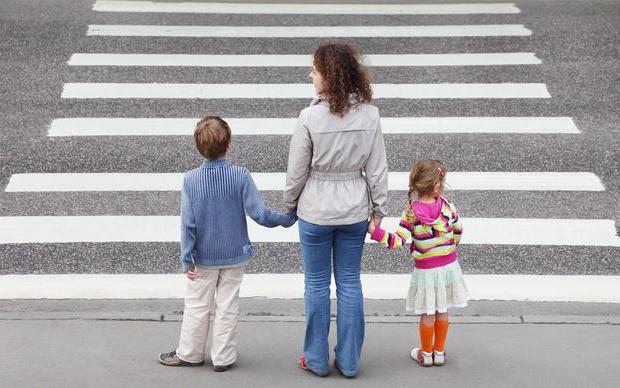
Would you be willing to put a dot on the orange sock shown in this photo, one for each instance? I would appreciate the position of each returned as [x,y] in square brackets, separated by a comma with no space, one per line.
[441,332]
[426,337]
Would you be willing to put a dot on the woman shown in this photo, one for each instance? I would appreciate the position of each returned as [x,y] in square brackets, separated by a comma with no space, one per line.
[336,178]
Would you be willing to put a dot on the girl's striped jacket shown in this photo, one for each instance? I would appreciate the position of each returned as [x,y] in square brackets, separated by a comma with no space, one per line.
[434,243]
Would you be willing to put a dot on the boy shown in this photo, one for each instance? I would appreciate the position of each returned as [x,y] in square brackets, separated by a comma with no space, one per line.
[215,247]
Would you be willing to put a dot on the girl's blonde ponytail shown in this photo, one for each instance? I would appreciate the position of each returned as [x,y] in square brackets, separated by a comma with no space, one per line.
[425,177]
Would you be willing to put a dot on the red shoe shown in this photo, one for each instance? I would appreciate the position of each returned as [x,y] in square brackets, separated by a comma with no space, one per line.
[302,365]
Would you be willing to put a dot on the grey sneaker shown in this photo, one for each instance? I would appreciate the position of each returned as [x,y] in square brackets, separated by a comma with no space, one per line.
[171,359]
[222,368]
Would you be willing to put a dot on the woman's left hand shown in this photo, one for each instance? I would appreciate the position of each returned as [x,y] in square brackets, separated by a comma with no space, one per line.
[371,225]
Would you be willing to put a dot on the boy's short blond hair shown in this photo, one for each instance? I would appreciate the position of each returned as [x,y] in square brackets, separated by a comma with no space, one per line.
[212,136]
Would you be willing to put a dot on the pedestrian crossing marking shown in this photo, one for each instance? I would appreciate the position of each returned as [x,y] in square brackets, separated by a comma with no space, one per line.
[540,288]
[308,31]
[301,91]
[377,60]
[122,126]
[474,180]
[498,231]
[495,231]
[304,9]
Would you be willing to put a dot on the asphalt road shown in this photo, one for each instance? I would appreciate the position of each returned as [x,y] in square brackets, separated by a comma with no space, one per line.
[577,41]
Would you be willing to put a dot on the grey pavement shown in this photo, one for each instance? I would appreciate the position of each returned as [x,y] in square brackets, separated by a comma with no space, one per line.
[102,343]
[100,353]
[293,309]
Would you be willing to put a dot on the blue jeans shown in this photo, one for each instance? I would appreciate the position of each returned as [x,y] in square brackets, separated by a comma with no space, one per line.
[342,246]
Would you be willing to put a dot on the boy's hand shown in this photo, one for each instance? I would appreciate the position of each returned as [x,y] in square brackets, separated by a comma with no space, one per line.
[292,222]
[191,274]
[293,215]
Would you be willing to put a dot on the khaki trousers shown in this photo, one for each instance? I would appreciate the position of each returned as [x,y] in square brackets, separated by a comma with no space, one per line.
[215,292]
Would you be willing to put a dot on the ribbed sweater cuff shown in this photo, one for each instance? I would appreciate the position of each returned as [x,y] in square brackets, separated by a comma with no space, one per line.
[378,234]
[187,266]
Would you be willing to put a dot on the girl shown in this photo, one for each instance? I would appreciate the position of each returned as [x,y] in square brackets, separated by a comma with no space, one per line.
[437,281]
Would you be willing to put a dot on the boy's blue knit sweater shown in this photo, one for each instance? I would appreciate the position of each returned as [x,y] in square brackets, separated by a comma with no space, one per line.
[215,199]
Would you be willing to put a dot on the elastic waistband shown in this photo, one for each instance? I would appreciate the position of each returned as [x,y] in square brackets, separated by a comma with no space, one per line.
[335,176]
[437,261]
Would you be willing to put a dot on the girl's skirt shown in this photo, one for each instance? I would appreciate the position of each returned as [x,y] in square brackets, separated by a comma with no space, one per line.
[437,289]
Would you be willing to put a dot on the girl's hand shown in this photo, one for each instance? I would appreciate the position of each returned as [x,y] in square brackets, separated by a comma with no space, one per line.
[191,275]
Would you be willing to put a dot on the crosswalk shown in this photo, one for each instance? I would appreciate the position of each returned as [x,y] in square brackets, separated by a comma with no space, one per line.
[491,231]
[397,181]
[384,60]
[149,126]
[287,91]
[300,8]
[562,235]
[376,286]
[308,31]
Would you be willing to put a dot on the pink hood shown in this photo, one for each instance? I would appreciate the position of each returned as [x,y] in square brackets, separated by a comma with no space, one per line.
[428,213]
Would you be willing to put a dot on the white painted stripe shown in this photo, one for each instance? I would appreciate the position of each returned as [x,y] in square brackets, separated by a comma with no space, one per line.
[302,9]
[497,231]
[308,31]
[196,60]
[278,91]
[116,126]
[530,181]
[539,288]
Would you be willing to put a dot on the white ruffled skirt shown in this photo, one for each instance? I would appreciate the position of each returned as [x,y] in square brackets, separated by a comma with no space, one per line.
[436,289]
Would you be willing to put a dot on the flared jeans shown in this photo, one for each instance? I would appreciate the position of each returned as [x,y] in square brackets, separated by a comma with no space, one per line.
[339,247]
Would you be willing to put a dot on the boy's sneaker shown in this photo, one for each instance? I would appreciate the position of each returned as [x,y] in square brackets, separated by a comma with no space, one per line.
[439,358]
[422,358]
[171,359]
[222,368]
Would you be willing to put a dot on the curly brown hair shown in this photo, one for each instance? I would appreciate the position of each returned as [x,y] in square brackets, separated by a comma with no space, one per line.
[344,76]
[427,178]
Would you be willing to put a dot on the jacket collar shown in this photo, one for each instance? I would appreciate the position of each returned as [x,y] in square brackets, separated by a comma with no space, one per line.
[214,163]
[320,98]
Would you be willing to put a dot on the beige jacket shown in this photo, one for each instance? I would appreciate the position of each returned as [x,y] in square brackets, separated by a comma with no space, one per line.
[337,169]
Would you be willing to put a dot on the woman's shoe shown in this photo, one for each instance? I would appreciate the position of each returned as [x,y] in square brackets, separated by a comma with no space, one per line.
[302,365]
[422,358]
[340,371]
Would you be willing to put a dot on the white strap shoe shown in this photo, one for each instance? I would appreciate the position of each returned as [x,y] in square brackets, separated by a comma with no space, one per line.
[422,358]
[439,358]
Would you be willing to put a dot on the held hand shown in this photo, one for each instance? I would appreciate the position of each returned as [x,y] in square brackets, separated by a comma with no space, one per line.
[293,219]
[371,225]
[191,275]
